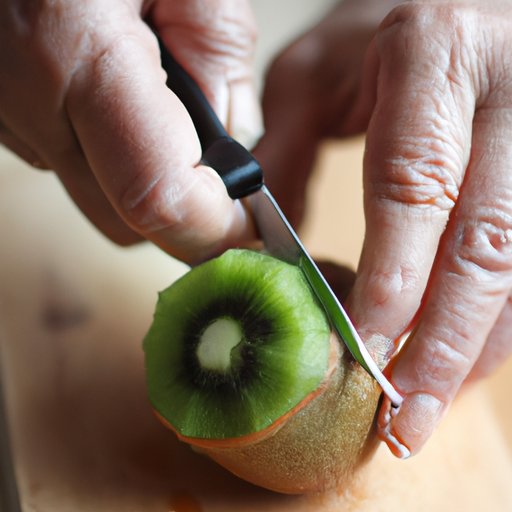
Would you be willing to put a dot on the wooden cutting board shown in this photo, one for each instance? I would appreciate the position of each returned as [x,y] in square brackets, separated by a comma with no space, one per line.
[73,311]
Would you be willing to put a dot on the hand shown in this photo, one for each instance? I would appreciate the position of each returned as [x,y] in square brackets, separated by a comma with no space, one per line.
[437,89]
[82,92]
[310,94]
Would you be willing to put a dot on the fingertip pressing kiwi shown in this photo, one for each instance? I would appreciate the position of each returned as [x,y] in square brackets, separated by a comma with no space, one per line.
[240,361]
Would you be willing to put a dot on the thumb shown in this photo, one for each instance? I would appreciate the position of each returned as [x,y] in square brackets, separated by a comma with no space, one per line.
[214,41]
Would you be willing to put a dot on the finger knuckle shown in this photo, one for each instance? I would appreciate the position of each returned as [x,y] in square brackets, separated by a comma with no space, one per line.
[419,178]
[485,244]
[108,51]
[422,18]
[410,22]
[150,204]
[449,356]
[388,287]
[417,15]
[229,31]
[444,35]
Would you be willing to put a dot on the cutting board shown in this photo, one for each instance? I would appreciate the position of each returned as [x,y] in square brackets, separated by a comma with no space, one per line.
[73,311]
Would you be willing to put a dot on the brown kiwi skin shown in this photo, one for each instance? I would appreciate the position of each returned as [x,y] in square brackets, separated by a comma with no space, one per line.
[319,447]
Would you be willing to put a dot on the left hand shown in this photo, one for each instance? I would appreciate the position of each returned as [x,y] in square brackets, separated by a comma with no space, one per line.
[435,94]
[310,94]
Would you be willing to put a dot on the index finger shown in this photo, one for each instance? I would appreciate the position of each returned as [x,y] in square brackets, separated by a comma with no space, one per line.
[416,154]
[143,149]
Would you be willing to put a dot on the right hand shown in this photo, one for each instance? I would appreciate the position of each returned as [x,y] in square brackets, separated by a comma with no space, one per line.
[82,92]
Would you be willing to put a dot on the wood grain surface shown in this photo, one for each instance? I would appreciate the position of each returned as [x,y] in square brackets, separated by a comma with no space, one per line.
[73,311]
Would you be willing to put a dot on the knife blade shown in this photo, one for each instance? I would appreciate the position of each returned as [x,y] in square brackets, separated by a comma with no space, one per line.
[243,177]
[281,241]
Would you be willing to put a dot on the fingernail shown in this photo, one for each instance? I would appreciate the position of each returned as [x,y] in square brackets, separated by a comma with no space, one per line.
[245,122]
[386,433]
[407,430]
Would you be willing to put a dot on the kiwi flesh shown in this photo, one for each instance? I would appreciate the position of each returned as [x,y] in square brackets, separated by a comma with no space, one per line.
[321,446]
[241,363]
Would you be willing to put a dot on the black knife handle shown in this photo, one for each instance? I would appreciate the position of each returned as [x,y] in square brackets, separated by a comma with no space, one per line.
[239,170]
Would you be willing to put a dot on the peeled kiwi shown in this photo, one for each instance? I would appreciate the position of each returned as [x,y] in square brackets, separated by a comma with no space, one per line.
[241,363]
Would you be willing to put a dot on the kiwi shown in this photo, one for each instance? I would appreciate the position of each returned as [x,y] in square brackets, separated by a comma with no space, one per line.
[241,363]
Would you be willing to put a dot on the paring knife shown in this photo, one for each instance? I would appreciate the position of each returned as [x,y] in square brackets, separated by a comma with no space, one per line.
[243,177]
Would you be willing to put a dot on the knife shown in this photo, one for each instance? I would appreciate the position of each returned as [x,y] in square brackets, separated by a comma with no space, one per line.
[243,177]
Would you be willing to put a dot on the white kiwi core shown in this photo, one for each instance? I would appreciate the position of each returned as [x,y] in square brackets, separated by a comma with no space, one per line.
[217,344]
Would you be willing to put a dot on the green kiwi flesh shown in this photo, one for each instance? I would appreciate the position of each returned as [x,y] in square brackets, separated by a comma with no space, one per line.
[235,344]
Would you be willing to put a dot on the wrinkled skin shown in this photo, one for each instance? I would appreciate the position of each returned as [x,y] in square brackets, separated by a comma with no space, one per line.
[82,92]
[434,92]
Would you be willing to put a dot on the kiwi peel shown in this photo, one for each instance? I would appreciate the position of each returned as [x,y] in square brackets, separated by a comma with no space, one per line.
[241,363]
